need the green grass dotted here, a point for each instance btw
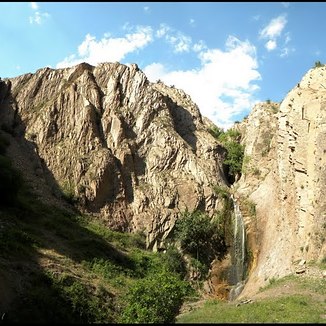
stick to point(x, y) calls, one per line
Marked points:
point(305, 306)
point(288, 309)
point(88, 271)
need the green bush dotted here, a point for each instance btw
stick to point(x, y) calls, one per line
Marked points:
point(318, 64)
point(89, 308)
point(155, 299)
point(234, 157)
point(200, 237)
point(230, 139)
point(222, 191)
point(215, 131)
point(174, 261)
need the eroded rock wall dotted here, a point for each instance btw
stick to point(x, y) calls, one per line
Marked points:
point(134, 153)
point(285, 181)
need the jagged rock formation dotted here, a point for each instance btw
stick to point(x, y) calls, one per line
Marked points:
point(132, 152)
point(285, 181)
point(136, 154)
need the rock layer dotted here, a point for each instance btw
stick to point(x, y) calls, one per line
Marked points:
point(284, 180)
point(132, 152)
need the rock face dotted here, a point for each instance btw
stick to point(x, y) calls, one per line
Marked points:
point(132, 152)
point(285, 181)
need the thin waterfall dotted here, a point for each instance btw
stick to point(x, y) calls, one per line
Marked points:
point(238, 253)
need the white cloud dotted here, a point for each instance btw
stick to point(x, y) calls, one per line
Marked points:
point(162, 31)
point(287, 38)
point(286, 51)
point(108, 48)
point(180, 42)
point(34, 5)
point(273, 31)
point(147, 9)
point(38, 17)
point(222, 85)
point(271, 45)
point(192, 22)
point(274, 28)
point(199, 46)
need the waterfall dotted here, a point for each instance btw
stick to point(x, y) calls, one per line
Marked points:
point(238, 253)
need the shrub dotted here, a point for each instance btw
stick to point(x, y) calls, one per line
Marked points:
point(200, 237)
point(174, 261)
point(215, 131)
point(155, 299)
point(222, 191)
point(318, 64)
point(234, 150)
point(234, 157)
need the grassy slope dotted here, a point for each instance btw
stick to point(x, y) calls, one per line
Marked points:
point(292, 299)
point(57, 266)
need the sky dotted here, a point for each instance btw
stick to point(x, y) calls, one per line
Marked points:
point(226, 55)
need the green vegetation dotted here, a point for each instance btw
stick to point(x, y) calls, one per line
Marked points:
point(155, 299)
point(305, 306)
point(77, 267)
point(222, 191)
point(289, 309)
point(230, 139)
point(201, 238)
point(318, 64)
point(274, 108)
point(248, 207)
point(215, 131)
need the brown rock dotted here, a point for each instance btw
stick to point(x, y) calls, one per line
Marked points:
point(287, 146)
point(132, 152)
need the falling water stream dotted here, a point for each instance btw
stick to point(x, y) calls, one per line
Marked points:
point(238, 254)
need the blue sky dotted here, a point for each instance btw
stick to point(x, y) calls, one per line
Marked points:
point(226, 55)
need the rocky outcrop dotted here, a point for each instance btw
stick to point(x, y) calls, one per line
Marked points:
point(284, 181)
point(134, 153)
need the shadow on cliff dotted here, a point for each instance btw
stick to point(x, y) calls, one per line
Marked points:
point(183, 123)
point(36, 233)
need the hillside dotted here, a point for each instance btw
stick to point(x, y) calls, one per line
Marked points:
point(296, 298)
point(113, 188)
point(133, 152)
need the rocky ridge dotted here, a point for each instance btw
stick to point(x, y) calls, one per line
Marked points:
point(284, 181)
point(131, 152)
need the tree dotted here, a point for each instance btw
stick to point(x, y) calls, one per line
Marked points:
point(200, 237)
point(234, 157)
point(155, 299)
point(234, 152)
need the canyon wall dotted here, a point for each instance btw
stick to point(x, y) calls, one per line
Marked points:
point(284, 181)
point(133, 153)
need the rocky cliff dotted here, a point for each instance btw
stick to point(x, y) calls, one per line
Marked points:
point(131, 152)
point(283, 184)
point(136, 154)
